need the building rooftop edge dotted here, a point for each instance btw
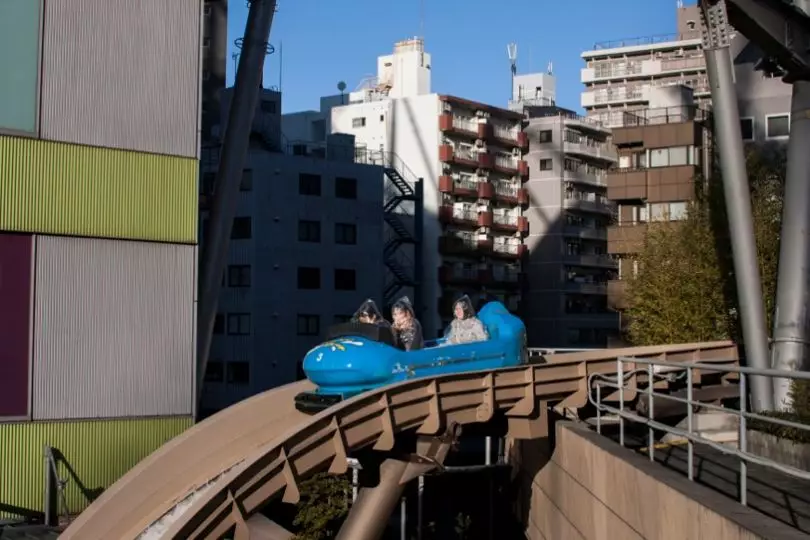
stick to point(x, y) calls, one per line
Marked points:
point(482, 106)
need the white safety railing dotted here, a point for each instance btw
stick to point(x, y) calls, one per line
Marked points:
point(659, 370)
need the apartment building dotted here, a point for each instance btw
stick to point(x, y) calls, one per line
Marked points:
point(306, 250)
point(469, 157)
point(568, 263)
point(98, 240)
point(662, 151)
point(619, 74)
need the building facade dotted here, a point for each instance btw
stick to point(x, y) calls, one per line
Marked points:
point(215, 52)
point(98, 238)
point(306, 250)
point(568, 265)
point(663, 151)
point(618, 74)
point(457, 147)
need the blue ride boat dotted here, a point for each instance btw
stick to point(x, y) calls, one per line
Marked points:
point(359, 357)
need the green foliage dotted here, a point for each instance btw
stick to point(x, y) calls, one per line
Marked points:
point(685, 289)
point(324, 504)
point(800, 401)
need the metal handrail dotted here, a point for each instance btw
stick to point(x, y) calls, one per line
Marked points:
point(671, 371)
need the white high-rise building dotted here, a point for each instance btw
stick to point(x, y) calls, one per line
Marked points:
point(470, 157)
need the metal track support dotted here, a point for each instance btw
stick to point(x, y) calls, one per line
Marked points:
point(790, 333)
point(737, 195)
point(229, 175)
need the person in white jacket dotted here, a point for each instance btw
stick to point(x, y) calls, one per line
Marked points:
point(466, 327)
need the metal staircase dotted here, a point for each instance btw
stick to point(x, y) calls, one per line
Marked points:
point(402, 213)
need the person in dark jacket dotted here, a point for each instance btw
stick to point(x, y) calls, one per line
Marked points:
point(406, 326)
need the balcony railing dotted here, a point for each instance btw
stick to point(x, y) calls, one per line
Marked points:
point(585, 177)
point(506, 133)
point(466, 124)
point(505, 219)
point(611, 70)
point(462, 152)
point(591, 260)
point(640, 41)
point(622, 94)
point(463, 274)
point(505, 162)
point(506, 189)
point(681, 64)
point(505, 275)
point(598, 150)
point(466, 184)
point(465, 214)
point(605, 207)
point(588, 233)
point(507, 249)
point(658, 116)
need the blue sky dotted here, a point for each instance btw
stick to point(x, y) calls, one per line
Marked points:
point(326, 41)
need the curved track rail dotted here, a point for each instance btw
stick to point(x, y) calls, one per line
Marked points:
point(211, 479)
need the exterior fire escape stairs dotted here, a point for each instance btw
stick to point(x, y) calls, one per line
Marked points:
point(403, 203)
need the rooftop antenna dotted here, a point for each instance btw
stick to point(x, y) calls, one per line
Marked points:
point(550, 68)
point(422, 19)
point(235, 58)
point(511, 52)
point(341, 86)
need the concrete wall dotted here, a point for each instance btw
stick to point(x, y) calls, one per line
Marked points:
point(590, 488)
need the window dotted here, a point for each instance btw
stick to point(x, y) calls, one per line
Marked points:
point(340, 319)
point(747, 129)
point(309, 231)
point(345, 188)
point(214, 371)
point(208, 181)
point(206, 42)
point(247, 180)
point(19, 59)
point(238, 324)
point(544, 136)
point(777, 126)
point(207, 10)
point(546, 164)
point(309, 184)
point(358, 122)
point(309, 325)
point(309, 277)
point(670, 157)
point(677, 211)
point(238, 372)
point(219, 324)
point(345, 233)
point(345, 279)
point(241, 228)
point(678, 156)
point(239, 275)
point(382, 118)
point(267, 106)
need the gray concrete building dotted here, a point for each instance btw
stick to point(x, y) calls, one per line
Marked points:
point(568, 214)
point(306, 250)
point(215, 51)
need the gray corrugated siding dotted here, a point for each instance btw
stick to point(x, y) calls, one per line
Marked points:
point(122, 74)
point(113, 328)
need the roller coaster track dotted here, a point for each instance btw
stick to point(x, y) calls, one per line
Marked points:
point(211, 479)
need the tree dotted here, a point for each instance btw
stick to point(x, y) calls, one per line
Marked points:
point(685, 289)
point(323, 507)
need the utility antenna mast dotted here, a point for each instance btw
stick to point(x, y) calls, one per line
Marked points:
point(511, 51)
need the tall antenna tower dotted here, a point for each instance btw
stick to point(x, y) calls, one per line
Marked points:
point(511, 52)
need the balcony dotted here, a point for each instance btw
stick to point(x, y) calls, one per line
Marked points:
point(459, 275)
point(464, 245)
point(617, 295)
point(583, 205)
point(507, 164)
point(601, 151)
point(586, 233)
point(626, 239)
point(462, 216)
point(509, 251)
point(660, 127)
point(585, 288)
point(459, 155)
point(463, 187)
point(486, 190)
point(508, 135)
point(510, 192)
point(597, 261)
point(507, 222)
point(451, 123)
point(583, 176)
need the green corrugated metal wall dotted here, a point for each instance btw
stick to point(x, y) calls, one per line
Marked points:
point(99, 452)
point(56, 188)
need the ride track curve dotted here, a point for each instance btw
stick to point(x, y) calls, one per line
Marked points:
point(211, 479)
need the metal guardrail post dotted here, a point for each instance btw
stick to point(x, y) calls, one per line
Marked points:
point(689, 424)
point(620, 380)
point(650, 410)
point(51, 499)
point(742, 439)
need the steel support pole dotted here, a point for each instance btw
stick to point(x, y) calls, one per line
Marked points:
point(418, 257)
point(369, 514)
point(741, 227)
point(229, 175)
point(790, 332)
